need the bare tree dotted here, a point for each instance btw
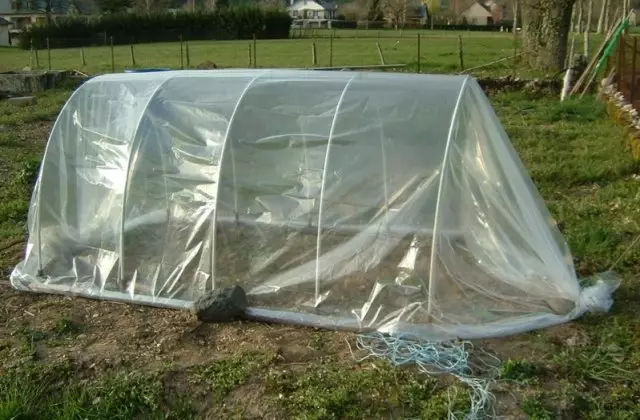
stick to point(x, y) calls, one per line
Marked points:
point(150, 6)
point(605, 28)
point(515, 16)
point(588, 24)
point(355, 10)
point(397, 10)
point(603, 9)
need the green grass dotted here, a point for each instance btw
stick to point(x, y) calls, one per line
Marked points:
point(585, 370)
point(439, 52)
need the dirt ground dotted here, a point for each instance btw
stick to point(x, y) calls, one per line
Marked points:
point(168, 365)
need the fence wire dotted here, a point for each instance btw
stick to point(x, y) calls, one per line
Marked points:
point(624, 63)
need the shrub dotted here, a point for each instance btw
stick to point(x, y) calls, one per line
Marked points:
point(222, 24)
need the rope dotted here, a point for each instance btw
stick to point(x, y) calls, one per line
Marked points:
point(435, 358)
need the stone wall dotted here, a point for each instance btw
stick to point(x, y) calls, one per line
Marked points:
point(623, 113)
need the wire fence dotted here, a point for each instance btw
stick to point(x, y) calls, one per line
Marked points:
point(624, 65)
point(418, 51)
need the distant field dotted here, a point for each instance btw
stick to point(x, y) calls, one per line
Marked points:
point(439, 52)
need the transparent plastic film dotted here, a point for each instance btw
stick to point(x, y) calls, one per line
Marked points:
point(371, 201)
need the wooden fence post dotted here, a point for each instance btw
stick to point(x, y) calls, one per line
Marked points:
point(331, 50)
point(419, 53)
point(113, 58)
point(619, 64)
point(186, 48)
point(31, 53)
point(255, 47)
point(250, 60)
point(461, 52)
point(181, 53)
point(133, 57)
point(314, 57)
point(49, 53)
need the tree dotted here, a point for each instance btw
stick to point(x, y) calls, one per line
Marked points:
point(546, 25)
point(356, 10)
point(605, 4)
point(151, 6)
point(375, 11)
point(397, 10)
point(114, 6)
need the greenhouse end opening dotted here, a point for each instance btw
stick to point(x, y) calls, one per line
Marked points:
point(369, 201)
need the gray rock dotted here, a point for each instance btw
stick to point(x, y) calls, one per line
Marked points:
point(22, 100)
point(221, 305)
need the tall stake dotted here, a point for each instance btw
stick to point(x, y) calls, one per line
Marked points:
point(250, 60)
point(82, 58)
point(380, 53)
point(586, 44)
point(515, 54)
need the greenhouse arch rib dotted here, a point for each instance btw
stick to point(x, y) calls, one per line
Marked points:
point(436, 218)
point(38, 194)
point(322, 185)
point(134, 144)
point(212, 254)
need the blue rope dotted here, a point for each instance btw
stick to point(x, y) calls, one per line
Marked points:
point(437, 358)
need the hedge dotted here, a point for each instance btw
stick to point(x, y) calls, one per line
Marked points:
point(223, 24)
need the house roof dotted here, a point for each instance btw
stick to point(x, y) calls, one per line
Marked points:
point(300, 4)
point(486, 6)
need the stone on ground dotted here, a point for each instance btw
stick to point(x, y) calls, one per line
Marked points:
point(221, 305)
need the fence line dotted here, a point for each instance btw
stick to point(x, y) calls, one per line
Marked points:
point(625, 65)
point(417, 53)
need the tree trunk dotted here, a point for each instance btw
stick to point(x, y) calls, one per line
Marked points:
point(546, 30)
point(601, 17)
point(605, 28)
point(579, 22)
point(588, 24)
point(515, 16)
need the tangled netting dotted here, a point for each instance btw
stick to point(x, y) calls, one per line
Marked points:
point(477, 371)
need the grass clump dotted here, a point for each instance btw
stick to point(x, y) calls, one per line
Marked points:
point(224, 375)
point(38, 392)
point(520, 371)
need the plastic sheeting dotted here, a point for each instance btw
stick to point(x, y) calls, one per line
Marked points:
point(371, 201)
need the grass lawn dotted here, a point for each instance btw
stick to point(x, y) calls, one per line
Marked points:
point(65, 358)
point(439, 52)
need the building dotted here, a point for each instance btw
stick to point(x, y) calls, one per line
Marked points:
point(484, 13)
point(5, 40)
point(21, 14)
point(312, 13)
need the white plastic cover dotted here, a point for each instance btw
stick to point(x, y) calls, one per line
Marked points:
point(371, 201)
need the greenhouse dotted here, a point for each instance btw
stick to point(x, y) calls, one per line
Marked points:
point(358, 200)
